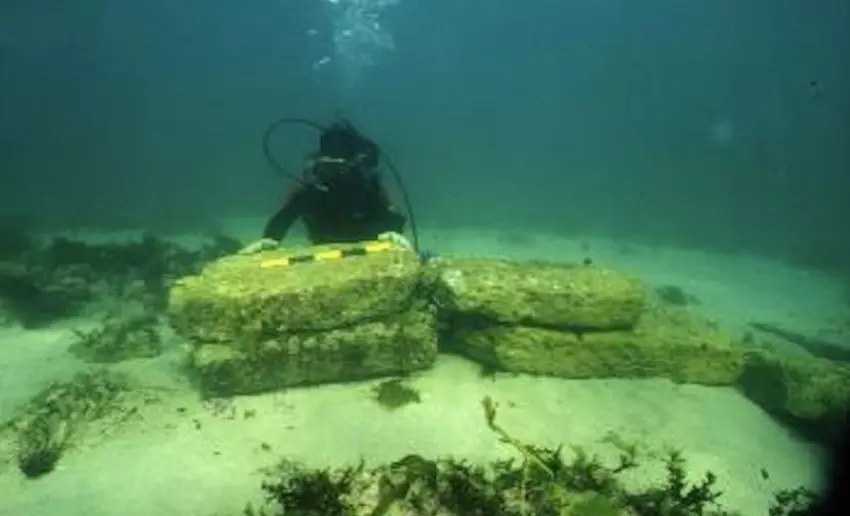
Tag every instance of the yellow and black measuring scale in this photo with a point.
(324, 255)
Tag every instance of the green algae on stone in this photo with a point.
(396, 345)
(807, 392)
(250, 296)
(668, 343)
(538, 294)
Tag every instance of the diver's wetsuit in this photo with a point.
(341, 198)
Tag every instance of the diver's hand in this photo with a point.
(265, 244)
(396, 238)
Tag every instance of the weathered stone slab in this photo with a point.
(245, 298)
(399, 344)
(538, 294)
(667, 343)
(810, 393)
(265, 321)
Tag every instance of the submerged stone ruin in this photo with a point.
(576, 322)
(264, 322)
(256, 323)
(260, 322)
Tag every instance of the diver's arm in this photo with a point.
(370, 153)
(383, 194)
(292, 208)
(392, 219)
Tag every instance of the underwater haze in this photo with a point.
(626, 287)
(716, 124)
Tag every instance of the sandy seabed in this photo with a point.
(184, 456)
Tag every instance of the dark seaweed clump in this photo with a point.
(306, 492)
(15, 239)
(540, 483)
(34, 303)
(795, 502)
(39, 462)
(43, 283)
(393, 394)
(673, 295)
(120, 338)
(41, 455)
(45, 426)
(583, 487)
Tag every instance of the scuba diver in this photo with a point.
(339, 196)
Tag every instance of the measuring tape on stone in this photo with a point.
(377, 246)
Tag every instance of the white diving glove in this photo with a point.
(397, 239)
(265, 244)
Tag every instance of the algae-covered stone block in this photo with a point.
(266, 321)
(669, 343)
(245, 298)
(398, 344)
(797, 387)
(538, 294)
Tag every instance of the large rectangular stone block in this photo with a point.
(672, 344)
(396, 345)
(798, 387)
(246, 298)
(266, 321)
(535, 294)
